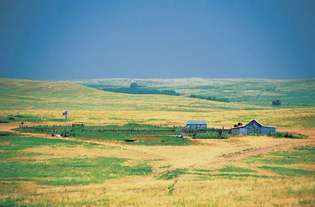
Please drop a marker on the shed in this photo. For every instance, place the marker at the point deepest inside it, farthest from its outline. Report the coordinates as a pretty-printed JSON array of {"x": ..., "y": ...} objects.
[
  {"x": 253, "y": 127},
  {"x": 196, "y": 124}
]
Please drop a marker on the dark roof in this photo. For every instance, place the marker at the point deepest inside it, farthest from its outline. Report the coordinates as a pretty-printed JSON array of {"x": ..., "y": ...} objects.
[
  {"x": 254, "y": 122},
  {"x": 249, "y": 123},
  {"x": 195, "y": 122}
]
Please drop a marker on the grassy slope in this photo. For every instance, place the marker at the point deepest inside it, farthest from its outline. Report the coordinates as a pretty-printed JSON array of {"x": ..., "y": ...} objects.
[
  {"x": 250, "y": 91},
  {"x": 49, "y": 99},
  {"x": 26, "y": 94},
  {"x": 285, "y": 179}
]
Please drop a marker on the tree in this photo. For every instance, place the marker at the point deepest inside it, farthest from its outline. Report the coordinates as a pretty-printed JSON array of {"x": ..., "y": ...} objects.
[
  {"x": 276, "y": 102},
  {"x": 239, "y": 124},
  {"x": 134, "y": 85}
]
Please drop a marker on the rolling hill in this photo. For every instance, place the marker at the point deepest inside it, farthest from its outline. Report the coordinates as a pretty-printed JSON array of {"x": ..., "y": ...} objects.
[
  {"x": 292, "y": 93},
  {"x": 28, "y": 94},
  {"x": 91, "y": 105}
]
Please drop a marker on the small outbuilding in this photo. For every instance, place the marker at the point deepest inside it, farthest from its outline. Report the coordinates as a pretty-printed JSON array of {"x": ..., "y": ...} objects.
[
  {"x": 253, "y": 127},
  {"x": 196, "y": 124}
]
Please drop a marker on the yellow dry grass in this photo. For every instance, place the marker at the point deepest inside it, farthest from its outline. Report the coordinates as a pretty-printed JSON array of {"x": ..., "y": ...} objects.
[
  {"x": 49, "y": 99},
  {"x": 148, "y": 191},
  {"x": 189, "y": 190},
  {"x": 286, "y": 117}
]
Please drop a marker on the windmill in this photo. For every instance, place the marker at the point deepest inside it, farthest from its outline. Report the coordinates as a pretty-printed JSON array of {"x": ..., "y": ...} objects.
[{"x": 66, "y": 114}]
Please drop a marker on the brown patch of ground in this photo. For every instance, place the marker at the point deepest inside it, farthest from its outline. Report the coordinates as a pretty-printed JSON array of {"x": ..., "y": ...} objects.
[{"x": 4, "y": 143}]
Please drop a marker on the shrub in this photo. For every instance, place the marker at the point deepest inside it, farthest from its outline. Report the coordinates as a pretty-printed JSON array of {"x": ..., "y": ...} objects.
[
  {"x": 288, "y": 171},
  {"x": 133, "y": 85},
  {"x": 236, "y": 169},
  {"x": 276, "y": 102},
  {"x": 289, "y": 135},
  {"x": 140, "y": 90},
  {"x": 26, "y": 118},
  {"x": 206, "y": 135},
  {"x": 210, "y": 98},
  {"x": 18, "y": 117},
  {"x": 168, "y": 175},
  {"x": 141, "y": 134},
  {"x": 217, "y": 134}
]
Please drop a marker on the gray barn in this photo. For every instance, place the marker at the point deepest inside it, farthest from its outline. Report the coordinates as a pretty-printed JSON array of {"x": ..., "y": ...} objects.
[
  {"x": 253, "y": 127},
  {"x": 196, "y": 124}
]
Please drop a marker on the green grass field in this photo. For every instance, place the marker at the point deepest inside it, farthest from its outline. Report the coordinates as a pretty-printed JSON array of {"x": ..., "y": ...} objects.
[
  {"x": 56, "y": 172},
  {"x": 46, "y": 100},
  {"x": 129, "y": 133},
  {"x": 26, "y": 94},
  {"x": 59, "y": 171},
  {"x": 254, "y": 92},
  {"x": 128, "y": 154}
]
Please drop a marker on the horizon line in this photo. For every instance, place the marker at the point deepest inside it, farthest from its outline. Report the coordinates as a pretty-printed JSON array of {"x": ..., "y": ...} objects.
[{"x": 174, "y": 78}]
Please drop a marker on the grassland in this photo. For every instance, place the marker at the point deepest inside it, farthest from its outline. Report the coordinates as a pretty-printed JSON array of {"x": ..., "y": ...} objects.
[
  {"x": 27, "y": 118},
  {"x": 49, "y": 99},
  {"x": 292, "y": 93},
  {"x": 49, "y": 171},
  {"x": 129, "y": 133},
  {"x": 88, "y": 169},
  {"x": 25, "y": 94}
]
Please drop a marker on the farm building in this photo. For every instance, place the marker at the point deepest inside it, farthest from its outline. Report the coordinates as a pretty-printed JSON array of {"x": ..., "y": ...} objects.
[
  {"x": 196, "y": 124},
  {"x": 253, "y": 127}
]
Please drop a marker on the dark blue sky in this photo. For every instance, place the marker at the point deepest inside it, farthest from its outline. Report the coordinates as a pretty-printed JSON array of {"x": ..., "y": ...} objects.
[{"x": 54, "y": 39}]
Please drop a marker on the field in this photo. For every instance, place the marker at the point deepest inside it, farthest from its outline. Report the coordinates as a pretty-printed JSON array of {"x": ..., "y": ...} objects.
[
  {"x": 96, "y": 166},
  {"x": 255, "y": 92}
]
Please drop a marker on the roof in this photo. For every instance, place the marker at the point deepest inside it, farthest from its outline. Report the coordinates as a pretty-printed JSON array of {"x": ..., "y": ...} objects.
[
  {"x": 253, "y": 122},
  {"x": 193, "y": 122},
  {"x": 249, "y": 123}
]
